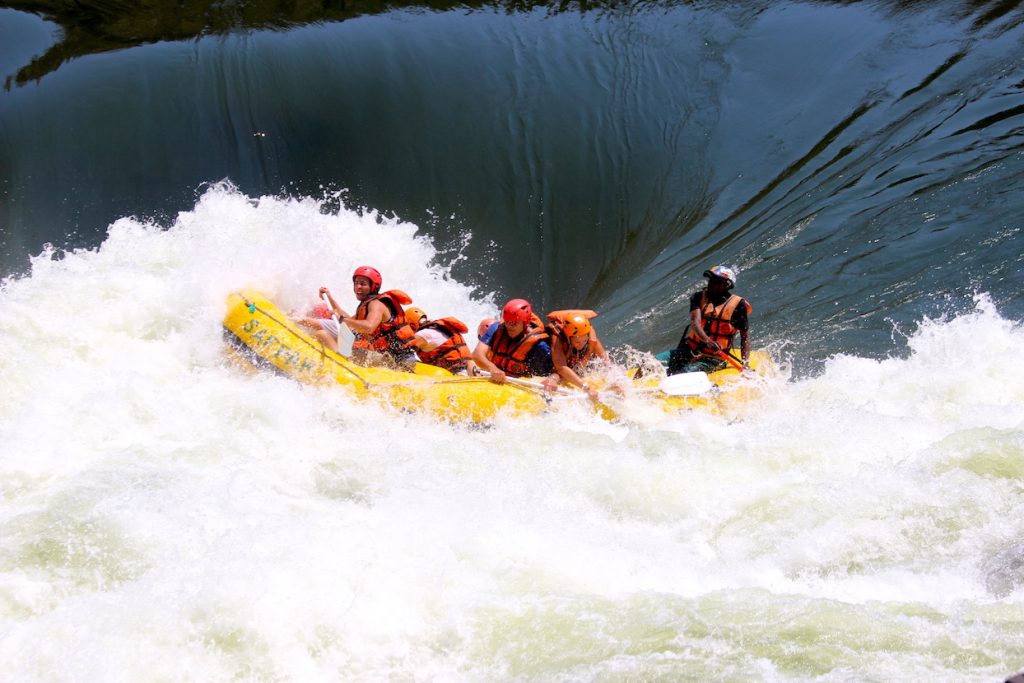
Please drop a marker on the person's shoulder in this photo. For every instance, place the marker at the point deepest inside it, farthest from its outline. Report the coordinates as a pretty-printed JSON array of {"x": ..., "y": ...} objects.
[
  {"x": 490, "y": 332},
  {"x": 432, "y": 334},
  {"x": 741, "y": 314}
]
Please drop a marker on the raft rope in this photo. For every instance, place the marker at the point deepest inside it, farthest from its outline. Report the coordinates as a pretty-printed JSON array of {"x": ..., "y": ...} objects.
[
  {"x": 563, "y": 393},
  {"x": 343, "y": 362},
  {"x": 291, "y": 327}
]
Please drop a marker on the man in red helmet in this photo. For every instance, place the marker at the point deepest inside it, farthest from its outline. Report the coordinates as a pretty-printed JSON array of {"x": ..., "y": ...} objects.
[
  {"x": 382, "y": 336},
  {"x": 716, "y": 316},
  {"x": 516, "y": 346}
]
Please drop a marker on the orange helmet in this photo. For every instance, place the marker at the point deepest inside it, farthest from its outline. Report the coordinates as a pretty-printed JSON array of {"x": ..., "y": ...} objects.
[
  {"x": 371, "y": 274},
  {"x": 576, "y": 325},
  {"x": 517, "y": 311},
  {"x": 415, "y": 317}
]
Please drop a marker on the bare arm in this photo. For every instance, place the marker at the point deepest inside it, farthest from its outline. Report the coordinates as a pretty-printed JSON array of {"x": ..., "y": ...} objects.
[
  {"x": 334, "y": 304},
  {"x": 368, "y": 325},
  {"x": 567, "y": 374},
  {"x": 485, "y": 364},
  {"x": 419, "y": 343}
]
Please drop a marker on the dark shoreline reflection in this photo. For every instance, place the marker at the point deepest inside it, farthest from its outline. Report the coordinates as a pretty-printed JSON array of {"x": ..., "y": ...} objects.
[{"x": 95, "y": 26}]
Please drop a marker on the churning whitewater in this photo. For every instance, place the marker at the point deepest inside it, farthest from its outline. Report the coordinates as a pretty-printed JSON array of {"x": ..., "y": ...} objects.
[{"x": 166, "y": 515}]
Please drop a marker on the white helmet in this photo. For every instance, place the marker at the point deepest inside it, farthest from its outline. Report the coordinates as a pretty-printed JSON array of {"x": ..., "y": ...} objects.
[{"x": 724, "y": 272}]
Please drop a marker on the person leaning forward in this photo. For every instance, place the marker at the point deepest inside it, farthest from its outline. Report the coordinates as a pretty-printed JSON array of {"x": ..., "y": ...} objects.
[
  {"x": 574, "y": 349},
  {"x": 440, "y": 342},
  {"x": 382, "y": 336},
  {"x": 516, "y": 346},
  {"x": 716, "y": 316}
]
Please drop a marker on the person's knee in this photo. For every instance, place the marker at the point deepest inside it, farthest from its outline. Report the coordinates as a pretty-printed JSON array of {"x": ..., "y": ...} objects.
[
  {"x": 677, "y": 359},
  {"x": 326, "y": 338},
  {"x": 704, "y": 365}
]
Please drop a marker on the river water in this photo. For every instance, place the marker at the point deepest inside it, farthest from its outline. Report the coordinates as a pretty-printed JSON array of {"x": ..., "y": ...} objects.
[{"x": 166, "y": 516}]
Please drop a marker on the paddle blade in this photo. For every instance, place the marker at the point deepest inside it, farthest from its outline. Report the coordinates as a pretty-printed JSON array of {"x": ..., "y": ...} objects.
[{"x": 687, "y": 384}]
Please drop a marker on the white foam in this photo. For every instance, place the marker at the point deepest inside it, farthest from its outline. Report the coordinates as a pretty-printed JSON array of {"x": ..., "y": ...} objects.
[{"x": 165, "y": 516}]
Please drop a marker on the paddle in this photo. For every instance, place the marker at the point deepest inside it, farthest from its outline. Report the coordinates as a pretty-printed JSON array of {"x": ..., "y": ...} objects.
[
  {"x": 730, "y": 359},
  {"x": 334, "y": 314},
  {"x": 687, "y": 384},
  {"x": 563, "y": 392},
  {"x": 525, "y": 383}
]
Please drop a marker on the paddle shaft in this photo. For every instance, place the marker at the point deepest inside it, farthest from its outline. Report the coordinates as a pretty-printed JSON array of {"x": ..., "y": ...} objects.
[
  {"x": 334, "y": 314},
  {"x": 727, "y": 357},
  {"x": 515, "y": 381},
  {"x": 566, "y": 394}
]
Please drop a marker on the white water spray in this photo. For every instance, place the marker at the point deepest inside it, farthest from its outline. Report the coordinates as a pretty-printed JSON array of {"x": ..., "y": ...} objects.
[{"x": 166, "y": 516}]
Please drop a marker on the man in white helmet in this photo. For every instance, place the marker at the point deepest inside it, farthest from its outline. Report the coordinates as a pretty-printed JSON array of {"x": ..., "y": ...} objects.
[{"x": 716, "y": 316}]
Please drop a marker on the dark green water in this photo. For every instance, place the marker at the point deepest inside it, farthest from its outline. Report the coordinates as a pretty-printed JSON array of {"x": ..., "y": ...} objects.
[{"x": 861, "y": 164}]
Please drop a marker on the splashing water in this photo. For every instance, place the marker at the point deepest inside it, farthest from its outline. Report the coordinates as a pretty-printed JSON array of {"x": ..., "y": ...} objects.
[{"x": 167, "y": 516}]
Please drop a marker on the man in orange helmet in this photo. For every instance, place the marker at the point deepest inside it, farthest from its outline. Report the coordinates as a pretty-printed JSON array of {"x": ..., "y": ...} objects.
[
  {"x": 574, "y": 347},
  {"x": 516, "y": 346},
  {"x": 716, "y": 316},
  {"x": 440, "y": 342},
  {"x": 382, "y": 335}
]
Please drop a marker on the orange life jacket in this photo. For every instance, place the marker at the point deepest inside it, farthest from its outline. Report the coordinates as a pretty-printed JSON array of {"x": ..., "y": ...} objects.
[
  {"x": 392, "y": 336},
  {"x": 510, "y": 354},
  {"x": 576, "y": 359},
  {"x": 716, "y": 321},
  {"x": 452, "y": 354}
]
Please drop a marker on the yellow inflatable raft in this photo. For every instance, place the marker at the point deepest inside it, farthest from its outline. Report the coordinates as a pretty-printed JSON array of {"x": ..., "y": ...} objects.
[{"x": 258, "y": 331}]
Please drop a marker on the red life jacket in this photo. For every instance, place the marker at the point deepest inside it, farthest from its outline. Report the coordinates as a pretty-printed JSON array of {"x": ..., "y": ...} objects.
[
  {"x": 510, "y": 354},
  {"x": 392, "y": 336},
  {"x": 452, "y": 354},
  {"x": 717, "y": 321},
  {"x": 576, "y": 359}
]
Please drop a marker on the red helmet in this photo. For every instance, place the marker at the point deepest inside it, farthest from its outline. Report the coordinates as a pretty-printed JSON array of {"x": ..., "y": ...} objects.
[
  {"x": 371, "y": 274},
  {"x": 517, "y": 311}
]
